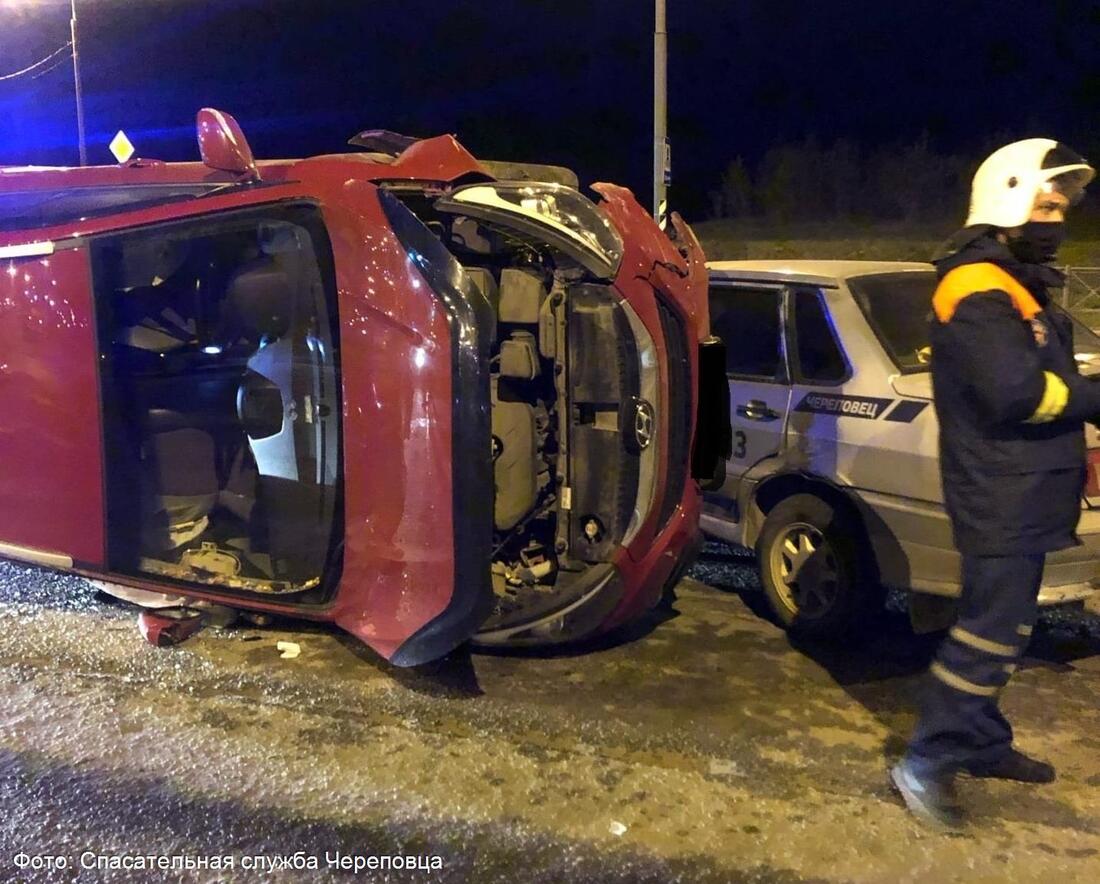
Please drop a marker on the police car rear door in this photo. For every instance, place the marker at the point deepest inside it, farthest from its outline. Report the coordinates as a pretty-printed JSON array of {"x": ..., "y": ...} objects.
[
  {"x": 828, "y": 421},
  {"x": 749, "y": 317}
]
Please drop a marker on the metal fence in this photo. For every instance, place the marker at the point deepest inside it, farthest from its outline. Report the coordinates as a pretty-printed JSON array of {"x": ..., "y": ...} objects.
[
  {"x": 1081, "y": 294},
  {"x": 1082, "y": 290}
]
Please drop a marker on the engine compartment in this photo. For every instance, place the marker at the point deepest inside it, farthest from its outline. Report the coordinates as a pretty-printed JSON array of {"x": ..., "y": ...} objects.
[{"x": 566, "y": 390}]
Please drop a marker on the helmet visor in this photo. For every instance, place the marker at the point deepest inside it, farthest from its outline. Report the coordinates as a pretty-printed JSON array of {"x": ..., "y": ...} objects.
[
  {"x": 1071, "y": 184},
  {"x": 1067, "y": 172}
]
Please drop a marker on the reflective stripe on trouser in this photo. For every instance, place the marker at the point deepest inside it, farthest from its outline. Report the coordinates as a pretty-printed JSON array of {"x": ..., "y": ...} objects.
[{"x": 960, "y": 722}]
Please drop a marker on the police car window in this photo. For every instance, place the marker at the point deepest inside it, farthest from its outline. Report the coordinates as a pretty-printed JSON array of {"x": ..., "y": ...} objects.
[
  {"x": 819, "y": 356},
  {"x": 897, "y": 306},
  {"x": 747, "y": 319}
]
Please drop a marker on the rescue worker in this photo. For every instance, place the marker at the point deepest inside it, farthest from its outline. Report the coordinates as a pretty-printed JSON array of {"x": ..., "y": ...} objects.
[{"x": 1011, "y": 408}]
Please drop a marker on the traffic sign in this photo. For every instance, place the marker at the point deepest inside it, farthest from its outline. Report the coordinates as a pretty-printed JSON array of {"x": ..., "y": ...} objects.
[{"x": 121, "y": 147}]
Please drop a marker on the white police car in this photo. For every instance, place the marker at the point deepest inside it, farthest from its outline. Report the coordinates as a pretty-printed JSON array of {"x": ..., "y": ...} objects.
[{"x": 835, "y": 477}]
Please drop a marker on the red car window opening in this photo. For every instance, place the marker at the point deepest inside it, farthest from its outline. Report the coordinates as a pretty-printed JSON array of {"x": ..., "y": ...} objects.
[{"x": 221, "y": 419}]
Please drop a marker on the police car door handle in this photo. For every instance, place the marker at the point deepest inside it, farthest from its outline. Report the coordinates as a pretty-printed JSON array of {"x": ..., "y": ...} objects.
[{"x": 756, "y": 410}]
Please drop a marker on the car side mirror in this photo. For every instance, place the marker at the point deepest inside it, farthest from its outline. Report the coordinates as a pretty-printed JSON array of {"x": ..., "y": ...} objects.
[{"x": 223, "y": 145}]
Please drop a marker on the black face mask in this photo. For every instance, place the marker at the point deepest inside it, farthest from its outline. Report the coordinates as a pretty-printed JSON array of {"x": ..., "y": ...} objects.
[{"x": 1038, "y": 241}]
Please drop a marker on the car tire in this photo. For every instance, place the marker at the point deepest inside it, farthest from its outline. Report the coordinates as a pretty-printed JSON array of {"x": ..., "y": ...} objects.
[{"x": 818, "y": 582}]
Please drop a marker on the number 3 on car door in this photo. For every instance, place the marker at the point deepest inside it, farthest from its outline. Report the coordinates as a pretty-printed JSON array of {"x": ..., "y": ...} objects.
[
  {"x": 748, "y": 317},
  {"x": 740, "y": 440}
]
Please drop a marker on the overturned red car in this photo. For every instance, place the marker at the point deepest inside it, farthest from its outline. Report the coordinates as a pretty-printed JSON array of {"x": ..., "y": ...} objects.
[{"x": 424, "y": 397}]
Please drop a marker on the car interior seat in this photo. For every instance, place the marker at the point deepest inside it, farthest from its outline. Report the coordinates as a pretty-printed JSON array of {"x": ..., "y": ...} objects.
[
  {"x": 262, "y": 295},
  {"x": 155, "y": 324}
]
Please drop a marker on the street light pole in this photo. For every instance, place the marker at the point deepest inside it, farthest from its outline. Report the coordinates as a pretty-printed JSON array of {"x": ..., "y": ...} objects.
[
  {"x": 79, "y": 94},
  {"x": 660, "y": 115}
]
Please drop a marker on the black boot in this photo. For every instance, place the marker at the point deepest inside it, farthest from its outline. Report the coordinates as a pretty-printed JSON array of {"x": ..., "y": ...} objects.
[
  {"x": 1014, "y": 765},
  {"x": 930, "y": 798}
]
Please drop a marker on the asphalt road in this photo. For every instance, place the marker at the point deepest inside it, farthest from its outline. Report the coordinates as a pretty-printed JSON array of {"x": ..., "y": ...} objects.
[{"x": 702, "y": 746}]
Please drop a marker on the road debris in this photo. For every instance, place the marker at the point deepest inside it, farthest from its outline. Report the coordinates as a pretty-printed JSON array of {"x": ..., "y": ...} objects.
[{"x": 164, "y": 627}]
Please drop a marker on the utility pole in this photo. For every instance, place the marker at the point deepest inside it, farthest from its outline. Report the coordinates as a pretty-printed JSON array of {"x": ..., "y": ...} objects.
[
  {"x": 79, "y": 94},
  {"x": 661, "y": 165}
]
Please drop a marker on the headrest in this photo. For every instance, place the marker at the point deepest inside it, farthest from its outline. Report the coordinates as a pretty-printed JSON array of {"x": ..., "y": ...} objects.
[
  {"x": 276, "y": 239},
  {"x": 149, "y": 260},
  {"x": 261, "y": 297}
]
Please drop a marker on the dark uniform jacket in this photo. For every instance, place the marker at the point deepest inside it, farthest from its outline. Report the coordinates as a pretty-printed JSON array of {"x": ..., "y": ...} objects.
[{"x": 1010, "y": 402}]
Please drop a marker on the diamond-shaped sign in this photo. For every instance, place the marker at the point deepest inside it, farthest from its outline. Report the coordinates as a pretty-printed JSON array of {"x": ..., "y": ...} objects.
[{"x": 121, "y": 147}]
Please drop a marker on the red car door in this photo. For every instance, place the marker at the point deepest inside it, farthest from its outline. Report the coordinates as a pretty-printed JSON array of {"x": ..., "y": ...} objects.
[{"x": 50, "y": 456}]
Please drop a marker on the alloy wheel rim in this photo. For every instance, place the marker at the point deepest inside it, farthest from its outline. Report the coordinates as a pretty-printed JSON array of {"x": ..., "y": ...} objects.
[{"x": 805, "y": 570}]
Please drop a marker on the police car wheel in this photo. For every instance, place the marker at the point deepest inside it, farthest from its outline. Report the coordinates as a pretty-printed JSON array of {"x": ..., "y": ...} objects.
[{"x": 810, "y": 567}]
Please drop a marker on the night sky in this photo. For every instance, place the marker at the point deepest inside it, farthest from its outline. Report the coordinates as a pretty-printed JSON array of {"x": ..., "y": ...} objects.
[{"x": 564, "y": 82}]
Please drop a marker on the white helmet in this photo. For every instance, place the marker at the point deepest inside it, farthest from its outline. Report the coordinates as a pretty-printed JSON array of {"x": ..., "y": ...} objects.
[{"x": 1007, "y": 182}]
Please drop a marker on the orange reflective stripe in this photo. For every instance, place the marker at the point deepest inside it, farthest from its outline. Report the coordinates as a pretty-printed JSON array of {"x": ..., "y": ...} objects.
[{"x": 968, "y": 279}]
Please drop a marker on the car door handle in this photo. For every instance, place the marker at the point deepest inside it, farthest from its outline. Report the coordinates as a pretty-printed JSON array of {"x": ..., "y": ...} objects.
[{"x": 755, "y": 410}]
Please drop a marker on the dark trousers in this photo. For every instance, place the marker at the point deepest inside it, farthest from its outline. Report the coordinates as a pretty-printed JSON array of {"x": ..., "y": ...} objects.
[{"x": 960, "y": 723}]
